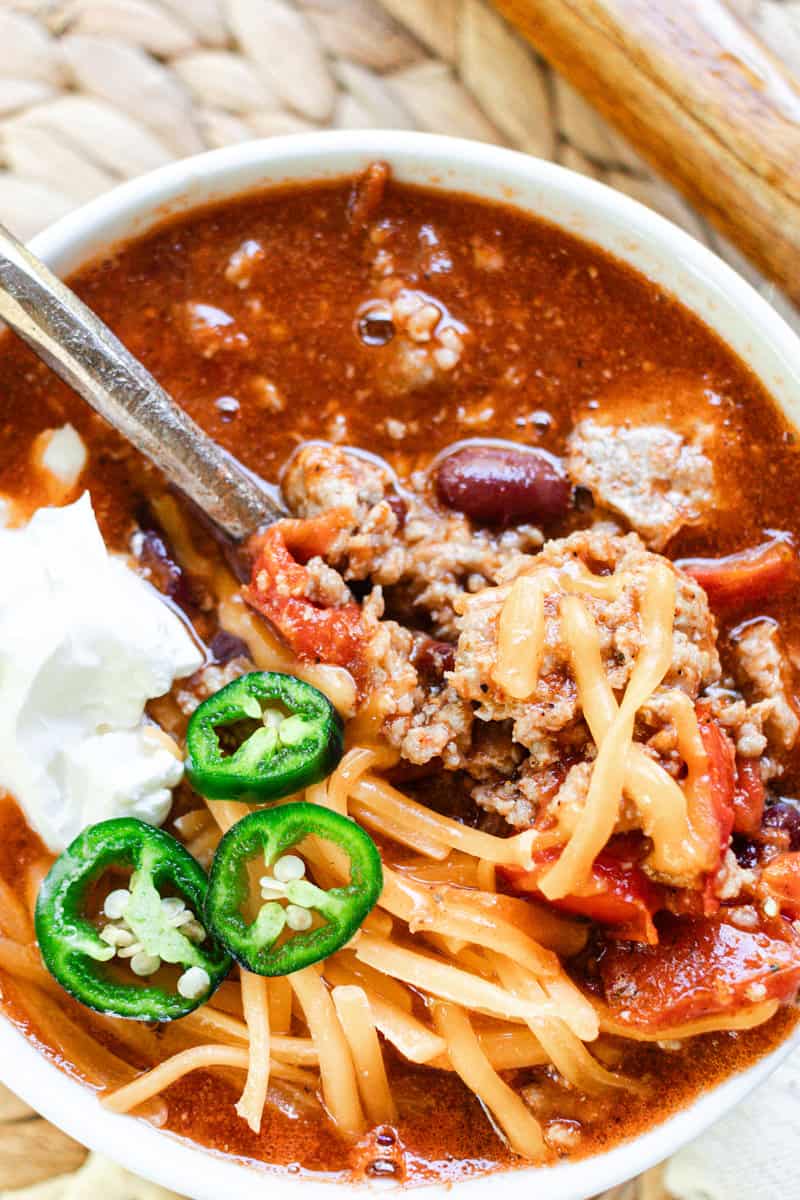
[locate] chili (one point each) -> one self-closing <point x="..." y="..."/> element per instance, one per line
<point x="77" y="953"/>
<point x="274" y="832"/>
<point x="293" y="737"/>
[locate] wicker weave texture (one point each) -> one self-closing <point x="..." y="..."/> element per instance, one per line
<point x="96" y="91"/>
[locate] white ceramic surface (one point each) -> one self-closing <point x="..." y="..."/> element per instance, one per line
<point x="582" y="206"/>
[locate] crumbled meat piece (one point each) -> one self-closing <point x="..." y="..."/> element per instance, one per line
<point x="745" y="916"/>
<point x="750" y="742"/>
<point x="393" y="677"/>
<point x="657" y="714"/>
<point x="243" y="262"/>
<point x="438" y="728"/>
<point x="508" y="800"/>
<point x="487" y="256"/>
<point x="421" y="341"/>
<point x="731" y="879"/>
<point x="208" y="329"/>
<point x="326" y="586"/>
<point x="518" y="799"/>
<point x="563" y="1136"/>
<point x="744" y="726"/>
<point x="648" y="474"/>
<point x="525" y="792"/>
<point x="428" y="558"/>
<point x="446" y="556"/>
<point x="761" y="712"/>
<point x="492" y="753"/>
<point x="553" y="708"/>
<point x="267" y="395"/>
<point x="423" y="723"/>
<point x="415" y="316"/>
<point x="766" y="677"/>
<point x="210" y="679"/>
<point x="319" y="477"/>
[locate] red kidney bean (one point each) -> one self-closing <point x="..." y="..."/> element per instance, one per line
<point x="748" y="852"/>
<point x="502" y="483"/>
<point x="164" y="572"/>
<point x="224" y="646"/>
<point x="432" y="658"/>
<point x="400" y="509"/>
<point x="780" y="832"/>
<point x="784" y="815"/>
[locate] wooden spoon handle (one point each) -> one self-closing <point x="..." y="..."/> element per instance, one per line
<point x="700" y="98"/>
<point x="72" y="340"/>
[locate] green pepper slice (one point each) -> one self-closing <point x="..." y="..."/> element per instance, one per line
<point x="76" y="952"/>
<point x="273" y="832"/>
<point x="293" y="738"/>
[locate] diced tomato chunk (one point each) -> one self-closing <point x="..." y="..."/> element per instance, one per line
<point x="722" y="779"/>
<point x="700" y="967"/>
<point x="736" y="803"/>
<point x="745" y="577"/>
<point x="619" y="896"/>
<point x="306" y="539"/>
<point x="780" y="879"/>
<point x="279" y="588"/>
<point x="748" y="797"/>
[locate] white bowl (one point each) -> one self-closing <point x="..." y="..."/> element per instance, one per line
<point x="631" y="232"/>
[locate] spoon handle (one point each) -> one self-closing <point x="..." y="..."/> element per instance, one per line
<point x="72" y="340"/>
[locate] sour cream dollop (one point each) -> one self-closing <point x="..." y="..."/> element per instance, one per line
<point x="84" y="644"/>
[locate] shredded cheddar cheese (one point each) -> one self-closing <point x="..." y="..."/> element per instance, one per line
<point x="618" y="765"/>
<point x="520" y="638"/>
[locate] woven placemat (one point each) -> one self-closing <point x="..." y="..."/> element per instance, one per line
<point x="96" y="91"/>
<point x="93" y="92"/>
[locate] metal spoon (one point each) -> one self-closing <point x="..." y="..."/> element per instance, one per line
<point x="68" y="336"/>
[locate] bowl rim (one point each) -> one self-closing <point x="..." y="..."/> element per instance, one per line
<point x="656" y="248"/>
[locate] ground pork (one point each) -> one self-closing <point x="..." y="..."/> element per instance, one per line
<point x="513" y="750"/>
<point x="320" y="476"/>
<point x="757" y="705"/>
<point x="765" y="675"/>
<point x="204" y="683"/>
<point x="730" y="708"/>
<point x="420" y="714"/>
<point x="515" y="800"/>
<point x="244" y="262"/>
<point x="648" y="474"/>
<point x="422" y="343"/>
<point x="438" y="702"/>
<point x="208" y="329"/>
<point x="732" y="879"/>
<point x="445" y="556"/>
<point x="427" y="557"/>
<point x="540" y="722"/>
<point x="326" y="586"/>
<point x="520" y="795"/>
<point x="437" y="725"/>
